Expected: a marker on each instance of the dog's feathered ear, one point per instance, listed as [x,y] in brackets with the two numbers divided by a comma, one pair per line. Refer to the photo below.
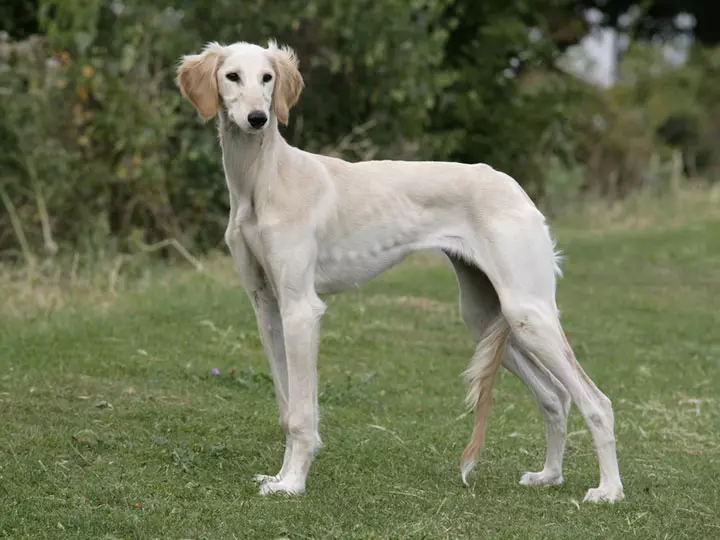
[197,80]
[288,80]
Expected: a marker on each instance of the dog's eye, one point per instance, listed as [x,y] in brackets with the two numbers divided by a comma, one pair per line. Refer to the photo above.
[267,78]
[232,76]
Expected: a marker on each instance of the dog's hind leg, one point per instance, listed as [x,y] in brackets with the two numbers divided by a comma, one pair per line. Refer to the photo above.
[554,402]
[480,310]
[535,325]
[479,306]
[522,270]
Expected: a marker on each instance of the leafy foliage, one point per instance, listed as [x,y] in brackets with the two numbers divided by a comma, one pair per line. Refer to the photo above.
[99,149]
[124,157]
[659,18]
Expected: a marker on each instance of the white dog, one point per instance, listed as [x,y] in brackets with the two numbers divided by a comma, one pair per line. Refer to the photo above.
[303,224]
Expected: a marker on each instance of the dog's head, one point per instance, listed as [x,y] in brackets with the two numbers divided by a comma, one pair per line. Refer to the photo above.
[250,82]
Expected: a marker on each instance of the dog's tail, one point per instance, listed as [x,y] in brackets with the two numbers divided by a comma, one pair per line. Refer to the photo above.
[481,375]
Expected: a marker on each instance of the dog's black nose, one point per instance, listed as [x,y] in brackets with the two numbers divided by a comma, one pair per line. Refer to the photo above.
[257,119]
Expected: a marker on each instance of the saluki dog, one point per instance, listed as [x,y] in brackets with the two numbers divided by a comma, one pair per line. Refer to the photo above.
[303,224]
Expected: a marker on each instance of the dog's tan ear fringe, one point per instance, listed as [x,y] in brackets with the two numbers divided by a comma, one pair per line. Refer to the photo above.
[288,80]
[196,78]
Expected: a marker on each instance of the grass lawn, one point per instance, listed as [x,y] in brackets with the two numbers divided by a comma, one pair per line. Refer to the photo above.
[112,424]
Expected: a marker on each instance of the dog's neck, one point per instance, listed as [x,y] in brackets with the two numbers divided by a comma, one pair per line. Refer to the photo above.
[245,155]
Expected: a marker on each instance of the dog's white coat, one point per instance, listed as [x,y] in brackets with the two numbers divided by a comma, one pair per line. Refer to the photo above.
[302,224]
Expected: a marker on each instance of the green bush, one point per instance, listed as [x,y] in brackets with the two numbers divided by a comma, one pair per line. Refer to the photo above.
[99,150]
[96,130]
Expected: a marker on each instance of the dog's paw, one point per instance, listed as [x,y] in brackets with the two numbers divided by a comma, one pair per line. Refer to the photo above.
[264,478]
[609,494]
[284,487]
[542,478]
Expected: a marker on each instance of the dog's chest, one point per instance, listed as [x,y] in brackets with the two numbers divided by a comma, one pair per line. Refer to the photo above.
[244,223]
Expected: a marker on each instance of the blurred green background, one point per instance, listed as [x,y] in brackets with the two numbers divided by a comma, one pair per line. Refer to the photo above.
[99,151]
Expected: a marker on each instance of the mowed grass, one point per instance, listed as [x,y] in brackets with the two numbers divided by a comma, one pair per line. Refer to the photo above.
[112,424]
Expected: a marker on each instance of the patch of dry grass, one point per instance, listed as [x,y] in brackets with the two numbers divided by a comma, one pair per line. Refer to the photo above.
[643,211]
[89,283]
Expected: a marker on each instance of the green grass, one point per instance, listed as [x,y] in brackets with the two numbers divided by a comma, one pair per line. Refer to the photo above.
[174,456]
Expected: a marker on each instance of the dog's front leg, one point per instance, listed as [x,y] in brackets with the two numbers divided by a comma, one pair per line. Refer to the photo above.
[301,313]
[269,321]
[267,313]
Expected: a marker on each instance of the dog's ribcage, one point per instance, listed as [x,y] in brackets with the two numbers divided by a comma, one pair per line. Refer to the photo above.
[378,229]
